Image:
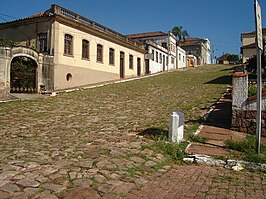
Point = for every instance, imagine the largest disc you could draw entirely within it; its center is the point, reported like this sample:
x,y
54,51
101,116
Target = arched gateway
x,y
23,70
23,75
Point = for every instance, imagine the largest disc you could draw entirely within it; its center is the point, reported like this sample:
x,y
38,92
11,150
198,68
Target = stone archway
x,y
42,68
23,75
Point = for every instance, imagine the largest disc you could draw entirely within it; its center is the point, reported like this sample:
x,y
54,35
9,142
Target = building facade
x,y
83,52
161,50
248,48
156,58
181,57
201,48
223,59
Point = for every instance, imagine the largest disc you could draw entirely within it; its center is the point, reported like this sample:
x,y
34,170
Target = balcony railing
x,y
87,22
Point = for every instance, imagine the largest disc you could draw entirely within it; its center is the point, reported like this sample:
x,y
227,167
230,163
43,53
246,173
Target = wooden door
x,y
122,65
138,66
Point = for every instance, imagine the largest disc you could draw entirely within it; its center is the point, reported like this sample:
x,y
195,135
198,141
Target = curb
x,y
113,82
55,93
236,165
210,161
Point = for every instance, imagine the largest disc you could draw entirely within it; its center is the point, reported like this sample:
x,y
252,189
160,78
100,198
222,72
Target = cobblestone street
x,y
84,144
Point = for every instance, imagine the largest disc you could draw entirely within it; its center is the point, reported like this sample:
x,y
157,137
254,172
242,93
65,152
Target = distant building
x,y
161,49
156,59
181,57
198,47
82,51
248,48
191,61
223,59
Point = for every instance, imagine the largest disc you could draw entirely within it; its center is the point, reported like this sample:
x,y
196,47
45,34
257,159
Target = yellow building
x,y
83,52
248,48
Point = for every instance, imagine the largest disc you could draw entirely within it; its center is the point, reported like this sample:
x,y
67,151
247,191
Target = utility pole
x,y
259,43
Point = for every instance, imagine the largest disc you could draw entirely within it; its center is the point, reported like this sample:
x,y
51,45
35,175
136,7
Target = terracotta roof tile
x,y
146,34
41,14
38,15
191,41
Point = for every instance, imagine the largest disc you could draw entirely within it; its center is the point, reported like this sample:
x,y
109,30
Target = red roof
x,y
146,34
191,41
38,15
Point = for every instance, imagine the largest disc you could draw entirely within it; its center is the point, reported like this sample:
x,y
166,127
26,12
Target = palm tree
x,y
185,34
180,33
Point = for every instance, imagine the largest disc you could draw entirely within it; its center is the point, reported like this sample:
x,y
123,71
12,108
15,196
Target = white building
x,y
156,59
201,48
181,57
161,49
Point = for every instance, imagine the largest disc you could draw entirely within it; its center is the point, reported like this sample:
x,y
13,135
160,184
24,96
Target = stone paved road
x,y
80,143
196,182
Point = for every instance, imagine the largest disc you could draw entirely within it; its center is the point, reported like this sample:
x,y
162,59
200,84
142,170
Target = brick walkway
x,y
203,182
217,129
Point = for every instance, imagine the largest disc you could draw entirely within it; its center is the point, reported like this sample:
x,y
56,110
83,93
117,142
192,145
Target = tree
x,y
9,43
232,58
180,33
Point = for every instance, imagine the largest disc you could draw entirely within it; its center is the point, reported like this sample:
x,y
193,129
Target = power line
x,y
26,35
5,15
3,18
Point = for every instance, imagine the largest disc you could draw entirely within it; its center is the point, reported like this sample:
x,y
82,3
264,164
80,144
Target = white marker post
x,y
259,42
176,128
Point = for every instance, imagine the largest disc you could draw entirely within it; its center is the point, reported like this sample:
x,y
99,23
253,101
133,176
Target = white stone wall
x,y
161,65
252,105
240,90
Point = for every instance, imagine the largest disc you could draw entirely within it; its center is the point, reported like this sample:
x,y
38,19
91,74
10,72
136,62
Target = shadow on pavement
x,y
154,133
221,114
227,79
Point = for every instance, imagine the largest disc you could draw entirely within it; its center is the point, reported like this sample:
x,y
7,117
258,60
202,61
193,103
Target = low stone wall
x,y
245,121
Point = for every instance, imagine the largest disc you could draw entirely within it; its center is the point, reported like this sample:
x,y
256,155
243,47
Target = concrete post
x,y
240,90
176,128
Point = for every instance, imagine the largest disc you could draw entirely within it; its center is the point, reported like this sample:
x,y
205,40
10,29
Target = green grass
x,y
134,170
252,89
247,147
173,152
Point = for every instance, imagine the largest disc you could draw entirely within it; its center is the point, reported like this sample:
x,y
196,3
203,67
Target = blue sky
x,y
222,21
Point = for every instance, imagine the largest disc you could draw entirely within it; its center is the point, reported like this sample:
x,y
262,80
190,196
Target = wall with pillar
x,y
244,107
4,62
